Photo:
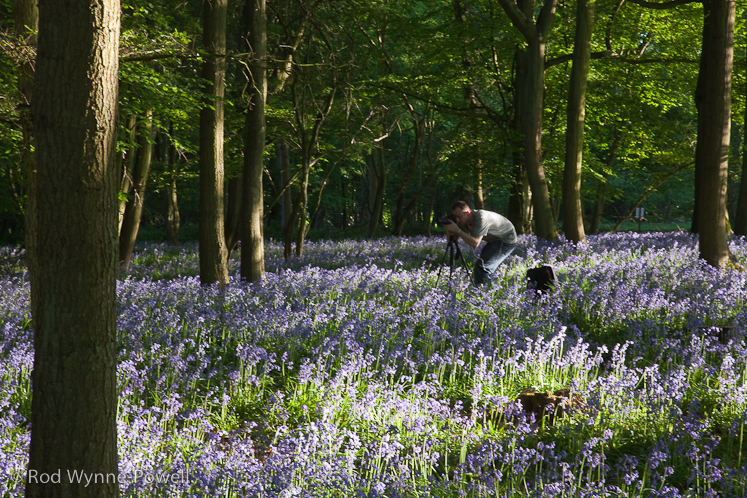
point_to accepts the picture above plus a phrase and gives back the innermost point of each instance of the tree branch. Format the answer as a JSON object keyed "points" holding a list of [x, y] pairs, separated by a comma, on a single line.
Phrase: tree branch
{"points": [[519, 20]]}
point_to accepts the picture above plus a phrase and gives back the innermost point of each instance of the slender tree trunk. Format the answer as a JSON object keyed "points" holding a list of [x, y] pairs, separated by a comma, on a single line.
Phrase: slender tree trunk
{"points": [[378, 178], [172, 205], [573, 224], [234, 189], [73, 277], [252, 240], [713, 100], [212, 239], [284, 160], [173, 219], [302, 201], [134, 209], [479, 197], [596, 217], [126, 165]]}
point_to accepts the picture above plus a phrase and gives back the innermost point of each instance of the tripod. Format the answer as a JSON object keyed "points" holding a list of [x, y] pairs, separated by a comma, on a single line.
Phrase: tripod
{"points": [[452, 250]]}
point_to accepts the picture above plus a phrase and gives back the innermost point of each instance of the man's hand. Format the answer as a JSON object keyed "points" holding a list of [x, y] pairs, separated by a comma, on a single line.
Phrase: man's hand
{"points": [[452, 229]]}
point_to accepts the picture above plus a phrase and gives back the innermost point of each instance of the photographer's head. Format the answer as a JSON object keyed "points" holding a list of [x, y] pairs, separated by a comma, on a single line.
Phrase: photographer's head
{"points": [[462, 212]]}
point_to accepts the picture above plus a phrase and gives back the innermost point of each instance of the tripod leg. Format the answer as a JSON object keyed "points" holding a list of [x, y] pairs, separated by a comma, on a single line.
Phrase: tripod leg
{"points": [[443, 261]]}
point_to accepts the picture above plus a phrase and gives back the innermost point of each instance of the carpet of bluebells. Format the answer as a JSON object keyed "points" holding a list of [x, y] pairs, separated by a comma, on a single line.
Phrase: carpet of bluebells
{"points": [[349, 373]]}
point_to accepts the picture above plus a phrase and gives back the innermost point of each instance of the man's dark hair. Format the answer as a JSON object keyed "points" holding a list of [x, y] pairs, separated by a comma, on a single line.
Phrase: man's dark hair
{"points": [[461, 205]]}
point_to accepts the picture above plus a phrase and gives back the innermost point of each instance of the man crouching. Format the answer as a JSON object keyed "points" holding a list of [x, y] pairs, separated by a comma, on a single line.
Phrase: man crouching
{"points": [[478, 225]]}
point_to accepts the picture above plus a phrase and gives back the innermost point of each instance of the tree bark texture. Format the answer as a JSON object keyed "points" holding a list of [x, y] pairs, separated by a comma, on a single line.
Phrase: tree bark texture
{"points": [[73, 278], [573, 224], [134, 209], [252, 241], [530, 83], [212, 241], [713, 100]]}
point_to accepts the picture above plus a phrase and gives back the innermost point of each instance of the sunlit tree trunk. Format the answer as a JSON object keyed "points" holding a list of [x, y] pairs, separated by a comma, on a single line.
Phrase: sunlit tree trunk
{"points": [[252, 241], [573, 224], [530, 76], [74, 275], [212, 240], [134, 209], [713, 100]]}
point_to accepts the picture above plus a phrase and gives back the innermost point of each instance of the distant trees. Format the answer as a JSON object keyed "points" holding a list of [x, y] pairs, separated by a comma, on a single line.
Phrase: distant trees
{"points": [[383, 112], [74, 269]]}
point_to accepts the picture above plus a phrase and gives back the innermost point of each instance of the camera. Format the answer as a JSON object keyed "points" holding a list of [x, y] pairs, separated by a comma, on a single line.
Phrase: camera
{"points": [[445, 220]]}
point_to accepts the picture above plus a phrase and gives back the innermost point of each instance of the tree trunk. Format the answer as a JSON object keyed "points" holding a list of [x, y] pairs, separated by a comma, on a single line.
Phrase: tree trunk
{"points": [[713, 100], [212, 240], [126, 165], [479, 197], [378, 186], [173, 220], [596, 217], [73, 277], [287, 198], [573, 224], [302, 201], [252, 240], [134, 209], [233, 212], [172, 205], [530, 78]]}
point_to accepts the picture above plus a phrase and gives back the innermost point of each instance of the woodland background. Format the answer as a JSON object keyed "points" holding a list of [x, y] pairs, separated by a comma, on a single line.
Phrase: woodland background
{"points": [[380, 114]]}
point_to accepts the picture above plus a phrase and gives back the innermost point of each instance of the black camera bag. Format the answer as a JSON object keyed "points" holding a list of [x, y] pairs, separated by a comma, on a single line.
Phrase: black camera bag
{"points": [[541, 280]]}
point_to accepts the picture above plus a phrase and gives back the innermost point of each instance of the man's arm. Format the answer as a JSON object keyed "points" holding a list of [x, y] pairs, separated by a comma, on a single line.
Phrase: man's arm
{"points": [[454, 230]]}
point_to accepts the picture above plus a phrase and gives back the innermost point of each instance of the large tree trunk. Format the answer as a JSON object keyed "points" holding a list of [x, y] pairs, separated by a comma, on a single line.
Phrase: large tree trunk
{"points": [[573, 224], [530, 77], [134, 209], [252, 241], [212, 240], [73, 278], [713, 100]]}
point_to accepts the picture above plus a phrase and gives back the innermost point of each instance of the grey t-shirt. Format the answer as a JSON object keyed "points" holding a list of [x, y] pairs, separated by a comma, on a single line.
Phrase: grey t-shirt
{"points": [[492, 226]]}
